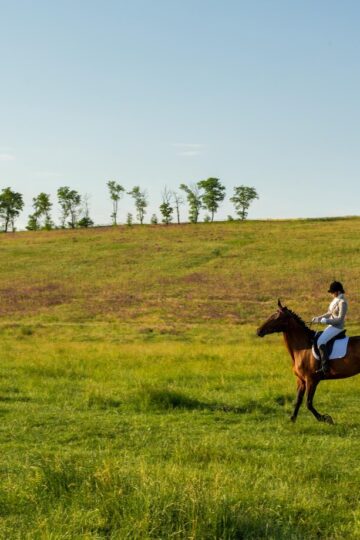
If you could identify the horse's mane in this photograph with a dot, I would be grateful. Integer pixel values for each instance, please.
(309, 332)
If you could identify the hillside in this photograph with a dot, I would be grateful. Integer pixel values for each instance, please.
(207, 273)
(132, 384)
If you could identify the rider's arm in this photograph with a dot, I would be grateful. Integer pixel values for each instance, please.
(325, 316)
(336, 321)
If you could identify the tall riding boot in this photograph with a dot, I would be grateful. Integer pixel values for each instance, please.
(325, 368)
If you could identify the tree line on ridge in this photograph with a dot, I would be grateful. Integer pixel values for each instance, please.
(75, 211)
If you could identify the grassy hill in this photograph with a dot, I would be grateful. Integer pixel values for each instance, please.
(207, 273)
(137, 402)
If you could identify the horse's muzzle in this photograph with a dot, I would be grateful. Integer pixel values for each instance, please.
(260, 333)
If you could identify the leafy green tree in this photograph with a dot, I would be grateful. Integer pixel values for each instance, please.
(165, 208)
(33, 223)
(194, 200)
(11, 205)
(42, 207)
(69, 201)
(129, 219)
(214, 194)
(116, 191)
(242, 198)
(154, 220)
(140, 199)
(85, 222)
(48, 224)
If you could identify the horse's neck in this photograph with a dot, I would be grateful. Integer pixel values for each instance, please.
(296, 339)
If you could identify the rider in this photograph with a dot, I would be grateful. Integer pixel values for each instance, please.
(334, 318)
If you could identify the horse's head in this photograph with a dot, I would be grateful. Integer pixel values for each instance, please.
(277, 322)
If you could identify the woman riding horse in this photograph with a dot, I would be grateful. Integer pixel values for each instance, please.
(299, 339)
(334, 318)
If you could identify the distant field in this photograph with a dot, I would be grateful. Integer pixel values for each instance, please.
(216, 273)
(136, 401)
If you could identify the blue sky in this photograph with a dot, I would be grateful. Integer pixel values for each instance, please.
(155, 93)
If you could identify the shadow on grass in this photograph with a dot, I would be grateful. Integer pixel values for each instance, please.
(15, 399)
(163, 399)
(56, 372)
(283, 399)
(97, 401)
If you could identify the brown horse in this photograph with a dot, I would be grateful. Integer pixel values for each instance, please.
(298, 340)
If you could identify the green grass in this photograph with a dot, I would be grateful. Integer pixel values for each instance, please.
(136, 401)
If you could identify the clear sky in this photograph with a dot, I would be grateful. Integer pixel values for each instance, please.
(161, 92)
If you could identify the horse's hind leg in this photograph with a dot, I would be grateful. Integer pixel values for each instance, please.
(299, 398)
(310, 392)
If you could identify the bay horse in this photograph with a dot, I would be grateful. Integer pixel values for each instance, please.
(298, 340)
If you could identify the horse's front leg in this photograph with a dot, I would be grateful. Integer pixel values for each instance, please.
(299, 398)
(311, 386)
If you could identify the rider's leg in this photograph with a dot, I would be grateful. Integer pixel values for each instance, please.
(329, 333)
(325, 368)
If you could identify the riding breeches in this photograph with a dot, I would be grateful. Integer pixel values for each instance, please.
(328, 333)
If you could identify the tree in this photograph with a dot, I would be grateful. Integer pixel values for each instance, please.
(243, 197)
(141, 203)
(11, 205)
(165, 208)
(214, 194)
(33, 223)
(69, 201)
(48, 224)
(154, 220)
(42, 207)
(194, 200)
(178, 201)
(85, 221)
(129, 219)
(116, 192)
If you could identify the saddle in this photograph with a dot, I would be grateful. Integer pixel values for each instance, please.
(329, 344)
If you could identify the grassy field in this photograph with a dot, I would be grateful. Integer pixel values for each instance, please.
(136, 401)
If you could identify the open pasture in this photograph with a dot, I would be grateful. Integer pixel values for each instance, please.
(137, 402)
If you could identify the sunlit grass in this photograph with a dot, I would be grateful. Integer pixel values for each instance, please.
(152, 439)
(166, 417)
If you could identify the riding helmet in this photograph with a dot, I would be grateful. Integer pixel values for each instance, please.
(336, 286)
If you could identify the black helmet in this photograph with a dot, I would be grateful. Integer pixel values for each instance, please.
(336, 286)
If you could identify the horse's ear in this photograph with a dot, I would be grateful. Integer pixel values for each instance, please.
(282, 308)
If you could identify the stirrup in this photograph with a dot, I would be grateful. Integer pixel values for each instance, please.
(321, 370)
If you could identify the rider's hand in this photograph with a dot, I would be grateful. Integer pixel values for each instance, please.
(323, 320)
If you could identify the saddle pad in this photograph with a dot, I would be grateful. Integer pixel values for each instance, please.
(339, 349)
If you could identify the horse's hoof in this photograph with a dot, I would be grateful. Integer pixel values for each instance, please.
(293, 419)
(327, 419)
